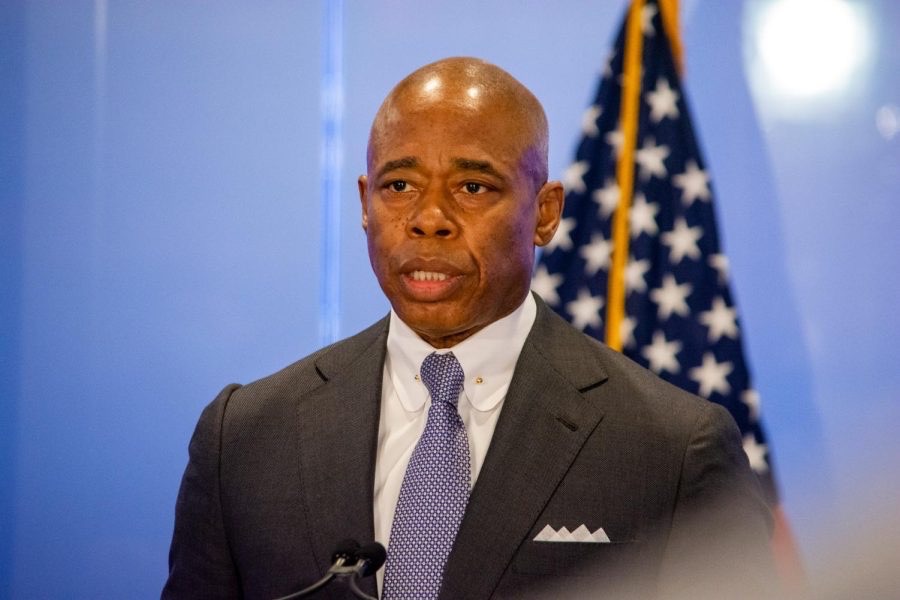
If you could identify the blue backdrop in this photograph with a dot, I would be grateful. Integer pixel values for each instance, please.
(163, 234)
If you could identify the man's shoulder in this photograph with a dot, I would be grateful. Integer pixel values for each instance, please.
(627, 389)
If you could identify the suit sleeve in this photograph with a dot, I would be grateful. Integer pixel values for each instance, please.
(200, 563)
(719, 543)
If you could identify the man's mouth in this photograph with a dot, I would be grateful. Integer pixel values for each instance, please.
(423, 285)
(428, 276)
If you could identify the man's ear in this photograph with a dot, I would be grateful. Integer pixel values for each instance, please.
(550, 199)
(363, 183)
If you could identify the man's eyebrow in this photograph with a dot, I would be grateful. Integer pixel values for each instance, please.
(407, 162)
(482, 166)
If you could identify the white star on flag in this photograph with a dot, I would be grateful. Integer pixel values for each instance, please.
(634, 275)
(694, 183)
(589, 121)
(615, 139)
(719, 262)
(607, 71)
(751, 399)
(721, 320)
(573, 178)
(607, 198)
(642, 217)
(712, 376)
(596, 254)
(663, 101)
(585, 310)
(647, 13)
(562, 238)
(650, 159)
(756, 453)
(661, 354)
(671, 298)
(682, 241)
(627, 331)
(545, 284)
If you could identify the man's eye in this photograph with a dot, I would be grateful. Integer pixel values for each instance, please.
(398, 186)
(475, 188)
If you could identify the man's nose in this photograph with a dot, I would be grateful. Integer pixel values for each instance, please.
(433, 215)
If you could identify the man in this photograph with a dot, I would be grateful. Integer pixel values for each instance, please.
(554, 433)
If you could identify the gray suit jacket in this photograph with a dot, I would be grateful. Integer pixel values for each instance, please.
(282, 469)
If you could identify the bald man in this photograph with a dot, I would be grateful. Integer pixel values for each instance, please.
(582, 474)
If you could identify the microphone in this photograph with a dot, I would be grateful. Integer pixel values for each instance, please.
(369, 559)
(348, 560)
(344, 553)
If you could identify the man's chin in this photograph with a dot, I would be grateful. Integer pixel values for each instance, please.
(436, 324)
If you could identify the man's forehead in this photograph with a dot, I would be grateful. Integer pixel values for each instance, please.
(410, 107)
(477, 133)
(451, 94)
(457, 104)
(490, 149)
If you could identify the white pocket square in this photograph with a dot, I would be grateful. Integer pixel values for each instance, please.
(580, 535)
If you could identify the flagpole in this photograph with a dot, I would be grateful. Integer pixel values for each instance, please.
(628, 124)
(669, 14)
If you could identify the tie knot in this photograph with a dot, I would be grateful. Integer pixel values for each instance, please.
(443, 376)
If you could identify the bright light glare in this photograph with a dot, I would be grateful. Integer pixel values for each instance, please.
(811, 47)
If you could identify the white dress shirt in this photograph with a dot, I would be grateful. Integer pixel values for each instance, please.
(488, 359)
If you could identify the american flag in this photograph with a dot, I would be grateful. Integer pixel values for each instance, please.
(679, 316)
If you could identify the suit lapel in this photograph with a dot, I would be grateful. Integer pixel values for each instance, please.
(338, 428)
(544, 423)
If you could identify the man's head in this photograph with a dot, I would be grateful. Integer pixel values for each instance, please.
(456, 197)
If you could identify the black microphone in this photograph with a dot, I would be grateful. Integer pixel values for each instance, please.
(369, 559)
(344, 552)
(343, 561)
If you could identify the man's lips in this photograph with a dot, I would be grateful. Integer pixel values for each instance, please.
(430, 280)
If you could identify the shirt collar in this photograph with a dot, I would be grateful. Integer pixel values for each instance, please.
(488, 358)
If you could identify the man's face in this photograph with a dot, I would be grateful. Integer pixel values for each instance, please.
(452, 215)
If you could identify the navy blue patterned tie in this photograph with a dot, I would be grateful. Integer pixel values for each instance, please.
(435, 490)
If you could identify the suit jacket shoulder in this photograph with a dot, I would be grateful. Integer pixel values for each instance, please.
(630, 392)
(280, 470)
(588, 439)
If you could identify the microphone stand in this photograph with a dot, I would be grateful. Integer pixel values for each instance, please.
(343, 562)
(370, 558)
(354, 587)
(350, 561)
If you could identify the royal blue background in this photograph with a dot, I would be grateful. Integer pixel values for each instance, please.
(161, 235)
